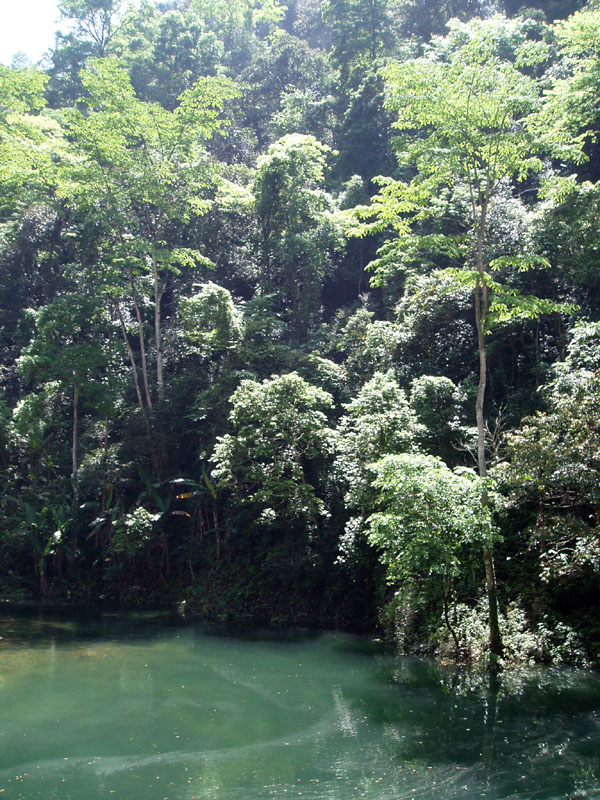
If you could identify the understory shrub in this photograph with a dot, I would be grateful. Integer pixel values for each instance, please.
(524, 642)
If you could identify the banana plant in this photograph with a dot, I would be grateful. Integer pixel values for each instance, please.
(45, 543)
(204, 509)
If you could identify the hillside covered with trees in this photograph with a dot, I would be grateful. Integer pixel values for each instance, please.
(300, 318)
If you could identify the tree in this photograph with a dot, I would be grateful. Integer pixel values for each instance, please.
(30, 141)
(288, 89)
(32, 146)
(465, 119)
(437, 403)
(205, 368)
(428, 516)
(141, 170)
(94, 20)
(568, 120)
(271, 461)
(166, 51)
(425, 18)
(553, 9)
(298, 230)
(369, 346)
(211, 322)
(227, 16)
(377, 422)
(21, 90)
(364, 118)
(566, 231)
(361, 32)
(39, 436)
(68, 348)
(92, 26)
(435, 327)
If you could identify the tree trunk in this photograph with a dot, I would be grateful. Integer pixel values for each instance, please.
(143, 358)
(74, 444)
(481, 309)
(217, 531)
(133, 364)
(160, 457)
(490, 579)
(158, 293)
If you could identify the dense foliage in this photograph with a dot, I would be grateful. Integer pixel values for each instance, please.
(299, 317)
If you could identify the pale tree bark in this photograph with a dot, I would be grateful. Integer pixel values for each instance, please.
(158, 294)
(134, 372)
(481, 310)
(143, 359)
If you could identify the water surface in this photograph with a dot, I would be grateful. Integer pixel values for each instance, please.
(130, 709)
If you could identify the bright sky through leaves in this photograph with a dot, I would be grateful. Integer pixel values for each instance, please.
(27, 26)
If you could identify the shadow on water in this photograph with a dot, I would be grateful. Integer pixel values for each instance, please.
(34, 623)
(532, 732)
(40, 624)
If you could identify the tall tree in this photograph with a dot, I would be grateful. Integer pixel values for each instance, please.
(69, 349)
(426, 18)
(229, 15)
(29, 140)
(553, 465)
(361, 32)
(166, 51)
(376, 423)
(93, 20)
(570, 117)
(553, 9)
(91, 25)
(141, 170)
(32, 145)
(465, 121)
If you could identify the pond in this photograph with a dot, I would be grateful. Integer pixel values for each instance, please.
(142, 709)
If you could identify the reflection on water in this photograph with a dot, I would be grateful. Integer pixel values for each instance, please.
(139, 708)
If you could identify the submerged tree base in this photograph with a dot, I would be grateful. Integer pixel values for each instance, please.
(414, 627)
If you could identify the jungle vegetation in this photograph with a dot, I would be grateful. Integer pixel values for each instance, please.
(300, 318)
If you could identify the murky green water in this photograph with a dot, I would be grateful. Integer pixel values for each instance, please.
(130, 710)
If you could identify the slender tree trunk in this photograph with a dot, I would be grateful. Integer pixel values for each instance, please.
(74, 478)
(158, 293)
(105, 441)
(161, 456)
(143, 358)
(373, 31)
(481, 309)
(490, 579)
(133, 364)
(480, 303)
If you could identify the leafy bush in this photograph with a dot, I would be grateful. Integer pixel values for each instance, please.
(548, 641)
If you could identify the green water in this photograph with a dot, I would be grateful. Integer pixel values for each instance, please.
(133, 710)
